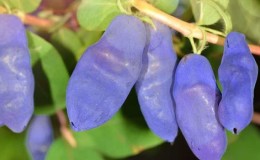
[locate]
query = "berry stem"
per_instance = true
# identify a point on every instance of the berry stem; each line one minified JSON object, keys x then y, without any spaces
{"x":185,"y":28}
{"x":36,"y":21}
{"x":194,"y":48}
{"x":256,"y":118}
{"x":29,"y":19}
{"x":66,"y":133}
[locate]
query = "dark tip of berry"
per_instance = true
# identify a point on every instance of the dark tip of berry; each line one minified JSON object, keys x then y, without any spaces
{"x":72,"y":124}
{"x":235,"y":130}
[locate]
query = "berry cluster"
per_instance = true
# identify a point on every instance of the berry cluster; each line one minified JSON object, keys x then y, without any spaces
{"x":107,"y":72}
{"x":131,"y":53}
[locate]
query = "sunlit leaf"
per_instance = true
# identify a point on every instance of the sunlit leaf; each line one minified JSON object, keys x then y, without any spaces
{"x":206,"y":14}
{"x":23,"y":5}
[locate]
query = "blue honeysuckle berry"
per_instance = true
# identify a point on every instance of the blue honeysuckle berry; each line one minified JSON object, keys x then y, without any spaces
{"x":237,"y":75}
{"x":154,"y":84}
{"x":197,"y":97}
{"x":39,"y":137}
{"x":16,"y":77}
{"x":106,"y":73}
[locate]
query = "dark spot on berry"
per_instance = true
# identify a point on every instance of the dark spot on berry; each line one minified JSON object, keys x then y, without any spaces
{"x":235,"y":130}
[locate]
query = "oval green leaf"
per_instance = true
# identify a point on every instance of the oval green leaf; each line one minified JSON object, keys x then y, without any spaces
{"x":204,"y":13}
{"x":121,"y":138}
{"x":68,"y":44}
{"x":97,"y":14}
{"x":60,"y":149}
{"x":87,"y":38}
{"x":50,"y":74}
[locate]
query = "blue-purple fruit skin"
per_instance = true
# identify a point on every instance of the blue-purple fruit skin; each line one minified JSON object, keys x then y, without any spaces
{"x":106,"y":73}
{"x":197,"y":97}
{"x":16,"y":77}
{"x":39,"y":137}
{"x":154,"y":84}
{"x":237,"y":75}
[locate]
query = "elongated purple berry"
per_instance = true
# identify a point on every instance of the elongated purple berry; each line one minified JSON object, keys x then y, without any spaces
{"x":237,"y":74}
{"x":39,"y":137}
{"x":106,"y":73}
{"x":197,"y":97}
{"x":154,"y":84}
{"x":16,"y":78}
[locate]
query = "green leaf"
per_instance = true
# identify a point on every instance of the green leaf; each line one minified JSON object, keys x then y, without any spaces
{"x":88,"y":38}
{"x":68,"y":44}
{"x":71,"y":52}
{"x":251,"y":6}
{"x":168,"y":6}
{"x":206,"y":14}
{"x":67,"y":38}
{"x":97,"y":14}
{"x":244,"y":146}
{"x":51,"y":76}
{"x":60,"y":149}
{"x":12,"y":145}
{"x":120,"y":138}
{"x":247,"y":23}
{"x":23,"y":5}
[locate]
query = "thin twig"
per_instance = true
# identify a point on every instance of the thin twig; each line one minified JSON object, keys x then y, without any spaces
{"x":36,"y":21}
{"x":30,"y":19}
{"x":66,"y":133}
{"x":256,"y":118}
{"x":187,"y":29}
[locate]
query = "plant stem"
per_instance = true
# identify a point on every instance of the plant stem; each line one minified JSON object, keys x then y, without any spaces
{"x":185,"y":28}
{"x":66,"y":133}
{"x":30,"y":19}
{"x":194,"y":48}
{"x":36,"y":21}
{"x":256,"y":118}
